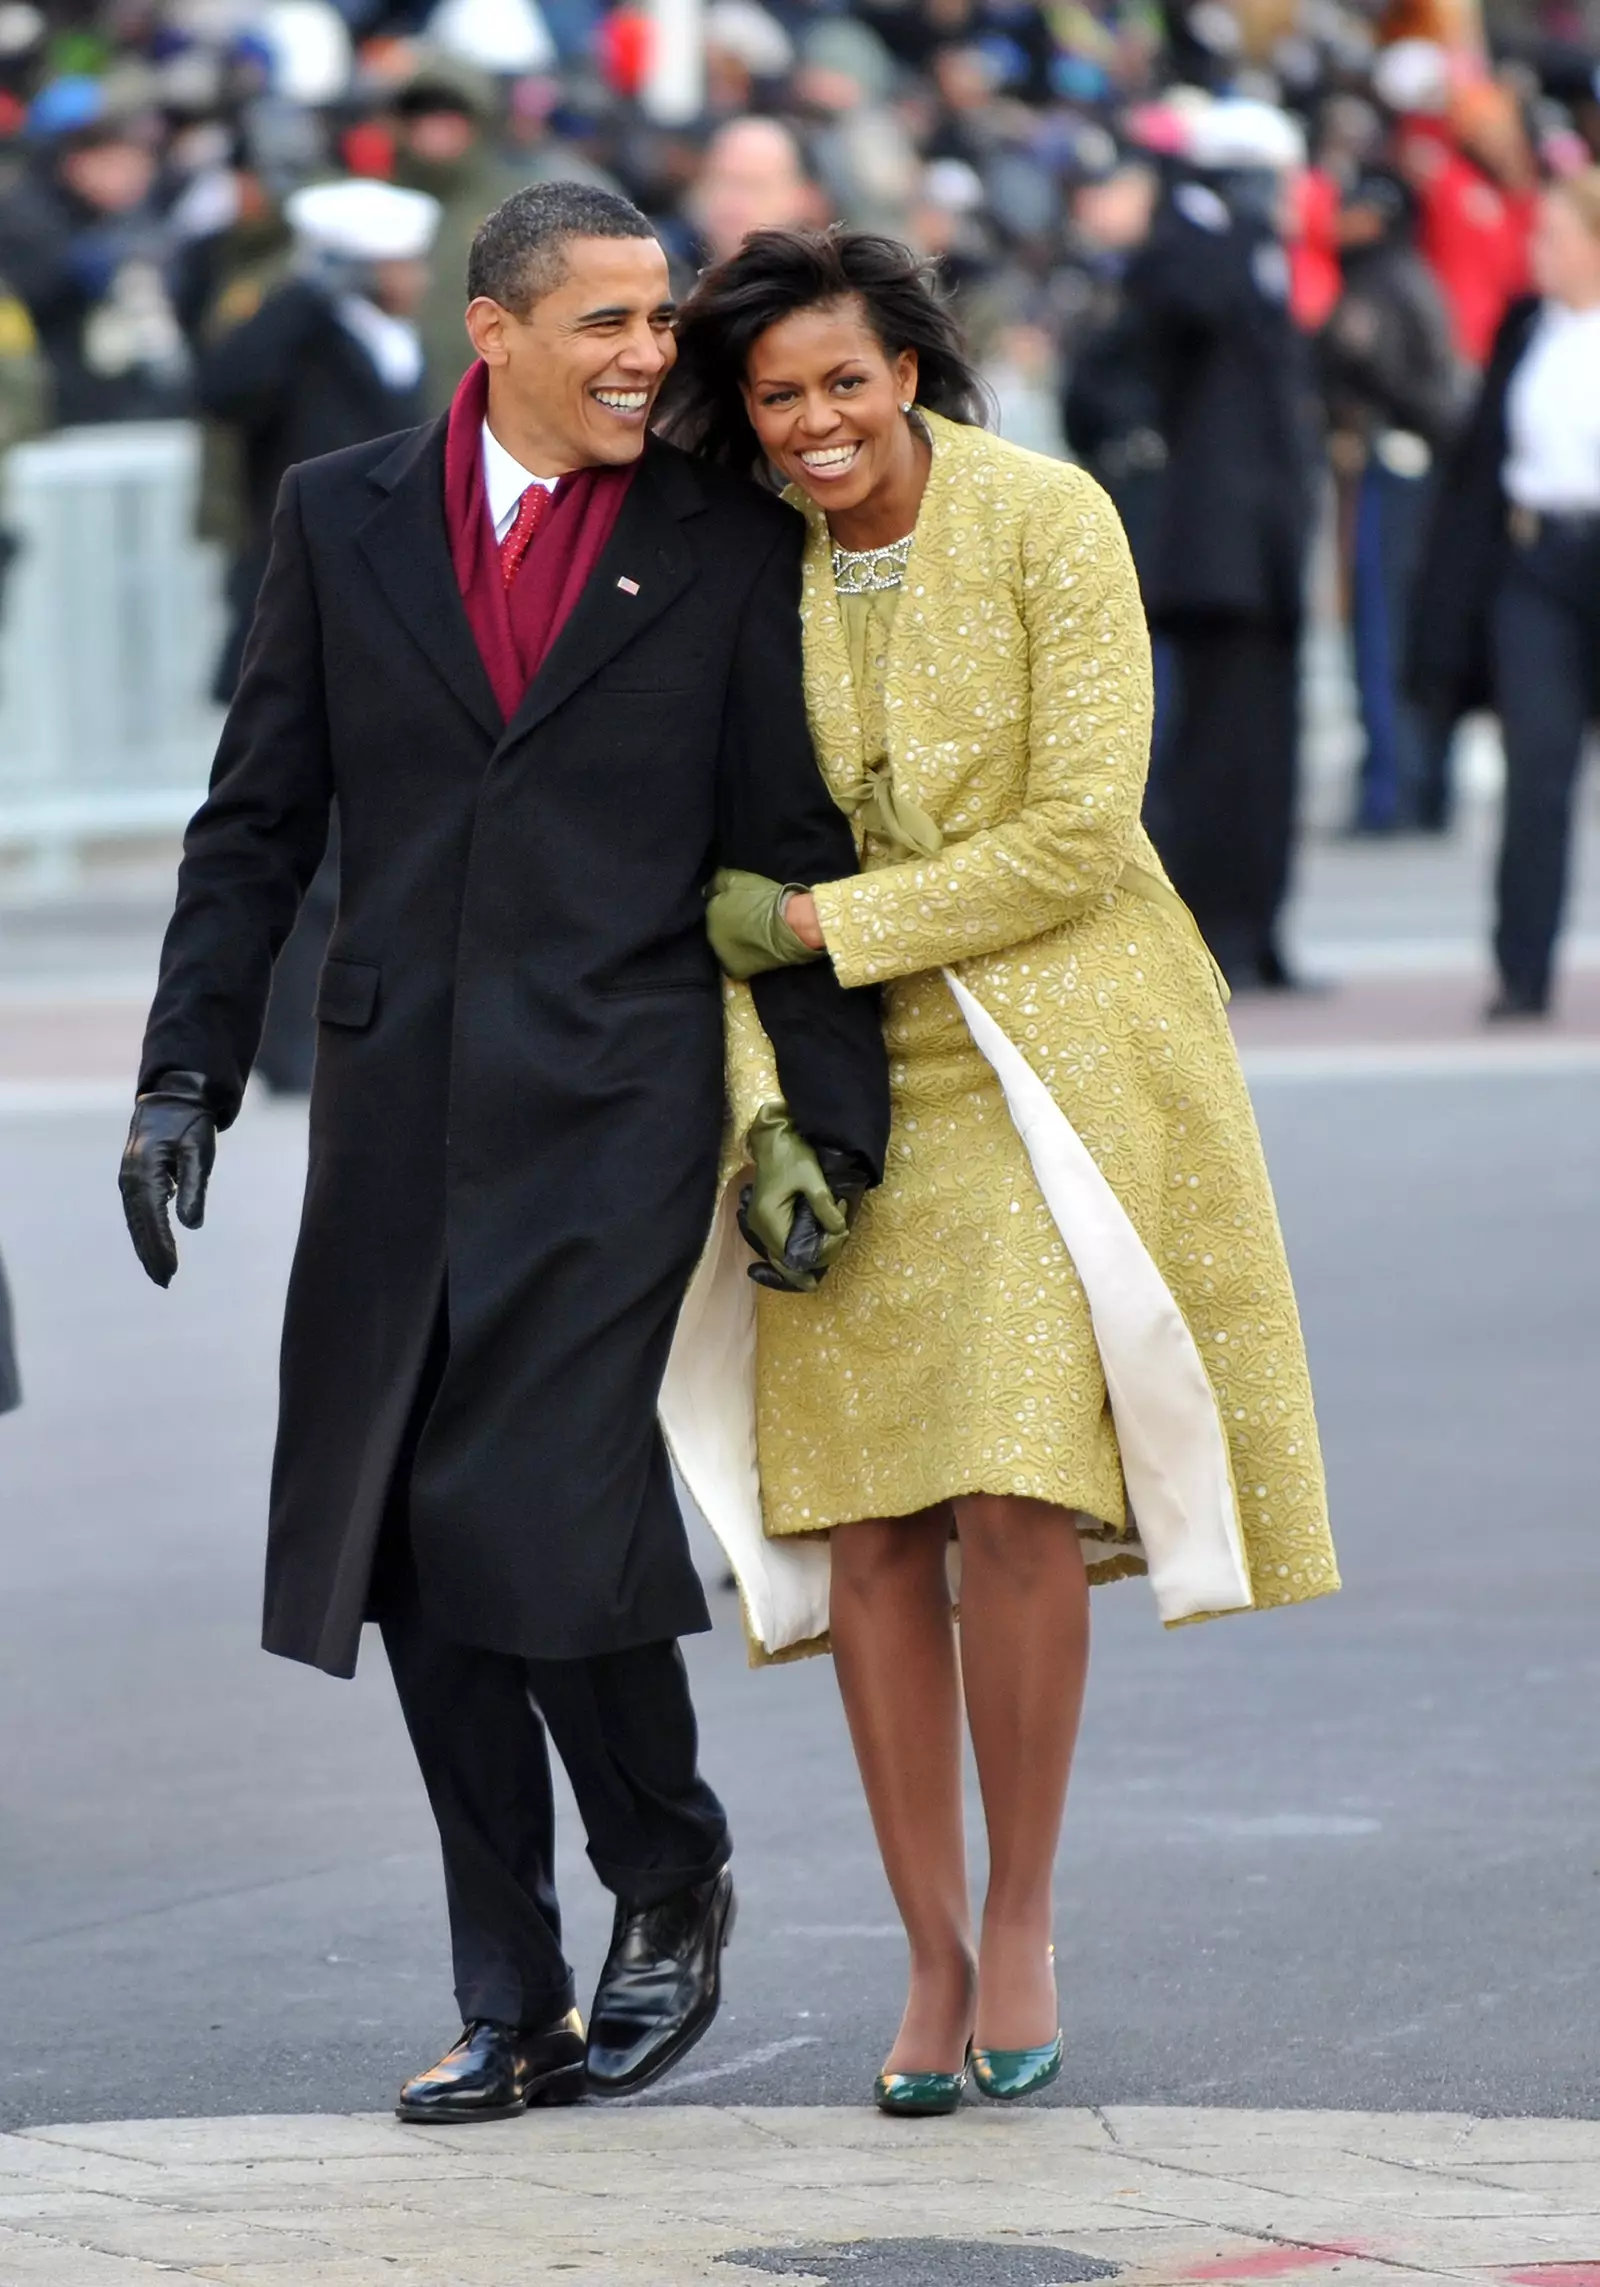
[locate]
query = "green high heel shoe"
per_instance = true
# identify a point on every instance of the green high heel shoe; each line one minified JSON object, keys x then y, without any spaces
{"x":1006,"y":2074}
{"x":921,"y":2095}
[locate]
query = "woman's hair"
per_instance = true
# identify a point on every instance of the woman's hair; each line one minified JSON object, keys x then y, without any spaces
{"x":1582,"y":193}
{"x":774,"y":274}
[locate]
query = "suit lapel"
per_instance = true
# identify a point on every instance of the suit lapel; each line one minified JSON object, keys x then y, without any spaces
{"x":648,"y":551}
{"x":407,"y":547}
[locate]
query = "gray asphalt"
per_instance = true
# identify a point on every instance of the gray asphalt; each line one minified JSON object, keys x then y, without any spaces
{"x":1344,"y":1856}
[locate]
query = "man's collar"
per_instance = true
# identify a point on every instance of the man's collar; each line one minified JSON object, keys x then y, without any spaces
{"x":505,"y":480}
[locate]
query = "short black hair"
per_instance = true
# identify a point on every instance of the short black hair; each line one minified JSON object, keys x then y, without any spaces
{"x":774,"y":274}
{"x":519,"y":254}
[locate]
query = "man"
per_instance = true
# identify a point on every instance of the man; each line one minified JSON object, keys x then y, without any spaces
{"x":1225,"y":566}
{"x":1395,"y":392}
{"x":551,"y":670}
{"x":754,"y":179}
{"x":83,"y":245}
{"x":330,"y":358}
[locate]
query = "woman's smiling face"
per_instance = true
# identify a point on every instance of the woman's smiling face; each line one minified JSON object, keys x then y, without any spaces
{"x":824,"y":399}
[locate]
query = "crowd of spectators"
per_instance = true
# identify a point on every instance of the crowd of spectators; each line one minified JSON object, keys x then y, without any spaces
{"x":1336,"y":197}
{"x":146,"y":148}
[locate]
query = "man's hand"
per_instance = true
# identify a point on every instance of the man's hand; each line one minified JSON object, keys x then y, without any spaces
{"x":747,"y":921}
{"x":797,"y":1212}
{"x":171,"y":1145}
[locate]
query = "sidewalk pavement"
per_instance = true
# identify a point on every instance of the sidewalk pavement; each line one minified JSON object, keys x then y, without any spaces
{"x":658,"y":2195}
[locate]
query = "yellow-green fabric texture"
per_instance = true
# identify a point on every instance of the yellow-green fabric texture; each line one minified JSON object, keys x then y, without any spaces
{"x":951,"y":1350}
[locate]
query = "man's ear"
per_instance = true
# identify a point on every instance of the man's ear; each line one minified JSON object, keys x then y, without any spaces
{"x":487,"y":328}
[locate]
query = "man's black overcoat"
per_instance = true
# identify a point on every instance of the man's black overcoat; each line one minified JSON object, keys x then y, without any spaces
{"x":1237,"y":498}
{"x":1464,"y":551}
{"x":518,"y":1097}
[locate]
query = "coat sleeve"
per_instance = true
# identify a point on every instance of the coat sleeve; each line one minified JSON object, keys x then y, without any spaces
{"x":255,"y":841}
{"x":1088,"y":751}
{"x":776,"y":817}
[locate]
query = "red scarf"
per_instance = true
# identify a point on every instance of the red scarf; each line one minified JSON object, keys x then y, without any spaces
{"x":516,"y":626}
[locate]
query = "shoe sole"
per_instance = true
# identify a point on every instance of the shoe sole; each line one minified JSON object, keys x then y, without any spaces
{"x":692,"y":2034}
{"x":568,"y":2084}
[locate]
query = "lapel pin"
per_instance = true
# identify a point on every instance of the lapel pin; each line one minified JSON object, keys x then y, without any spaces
{"x":629,"y":587}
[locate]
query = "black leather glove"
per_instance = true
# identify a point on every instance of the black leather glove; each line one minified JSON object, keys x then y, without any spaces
{"x":797,"y":1212}
{"x":171,"y":1144}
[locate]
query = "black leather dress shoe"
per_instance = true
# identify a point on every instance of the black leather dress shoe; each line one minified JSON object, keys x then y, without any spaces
{"x":661,"y":1985}
{"x":1508,"y":1007}
{"x":495,"y":2071}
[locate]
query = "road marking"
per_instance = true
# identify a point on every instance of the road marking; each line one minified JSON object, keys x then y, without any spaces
{"x":22,"y":1098}
{"x":768,"y":2055}
{"x":1284,"y":1826}
{"x":830,"y":1930}
{"x":1271,"y":2263}
{"x":1422,"y":1060}
{"x":1346,"y":958}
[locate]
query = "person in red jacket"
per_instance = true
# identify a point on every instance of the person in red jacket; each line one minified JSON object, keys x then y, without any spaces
{"x":1465,"y":154}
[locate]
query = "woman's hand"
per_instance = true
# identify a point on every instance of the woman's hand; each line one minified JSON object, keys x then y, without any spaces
{"x":745,"y":923}
{"x":800,"y":911}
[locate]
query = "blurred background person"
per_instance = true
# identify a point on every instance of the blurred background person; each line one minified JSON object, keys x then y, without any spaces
{"x":1463,"y":146}
{"x":10,"y":1379}
{"x":1111,"y":407}
{"x":333,"y":357}
{"x":1227,"y":563}
{"x":24,"y":403}
{"x":755,"y":177}
{"x":1396,"y":391}
{"x":1511,"y":577}
{"x":85,"y":245}
{"x":448,"y":117}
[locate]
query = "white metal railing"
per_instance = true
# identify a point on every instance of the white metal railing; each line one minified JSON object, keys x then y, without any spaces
{"x":112,"y":622}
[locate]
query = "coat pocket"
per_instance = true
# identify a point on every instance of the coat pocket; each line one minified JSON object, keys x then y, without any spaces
{"x":347,"y":993}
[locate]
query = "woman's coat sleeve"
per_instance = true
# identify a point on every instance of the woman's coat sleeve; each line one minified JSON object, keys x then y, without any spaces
{"x":1088,"y":752}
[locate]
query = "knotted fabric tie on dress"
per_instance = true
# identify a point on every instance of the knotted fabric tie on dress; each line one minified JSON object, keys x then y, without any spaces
{"x":532,"y":510}
{"x":891,"y":815}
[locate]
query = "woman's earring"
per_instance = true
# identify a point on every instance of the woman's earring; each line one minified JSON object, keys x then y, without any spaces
{"x":906,"y":406}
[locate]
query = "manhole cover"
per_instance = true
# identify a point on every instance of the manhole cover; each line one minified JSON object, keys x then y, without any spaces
{"x":926,"y":2263}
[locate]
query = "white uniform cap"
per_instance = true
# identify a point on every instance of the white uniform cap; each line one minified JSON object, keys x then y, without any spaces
{"x":1239,"y":132}
{"x":505,"y":37}
{"x":744,"y":30}
{"x":362,"y":221}
{"x":1413,"y":75}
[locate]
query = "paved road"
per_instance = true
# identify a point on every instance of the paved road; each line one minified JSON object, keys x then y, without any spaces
{"x":1348,"y":1856}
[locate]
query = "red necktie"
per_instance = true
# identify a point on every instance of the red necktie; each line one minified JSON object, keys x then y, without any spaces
{"x":531,"y":509}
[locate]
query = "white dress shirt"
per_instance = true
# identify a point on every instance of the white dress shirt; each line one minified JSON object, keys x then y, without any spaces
{"x":393,"y":344}
{"x":505,"y":481}
{"x":1553,"y":416}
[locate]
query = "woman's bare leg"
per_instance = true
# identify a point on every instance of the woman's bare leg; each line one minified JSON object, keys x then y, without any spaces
{"x":894,"y":1649}
{"x":1024,"y":1659}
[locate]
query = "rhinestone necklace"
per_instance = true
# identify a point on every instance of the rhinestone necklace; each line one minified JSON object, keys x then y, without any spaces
{"x":870,"y":571}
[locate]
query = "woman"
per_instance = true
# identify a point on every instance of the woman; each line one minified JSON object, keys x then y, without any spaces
{"x":1507,"y":605}
{"x":978,"y":675}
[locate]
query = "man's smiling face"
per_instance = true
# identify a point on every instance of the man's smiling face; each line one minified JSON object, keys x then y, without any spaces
{"x":574,"y":377}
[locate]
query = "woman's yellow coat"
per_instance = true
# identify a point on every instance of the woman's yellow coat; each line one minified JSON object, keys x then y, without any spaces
{"x":1016,"y":716}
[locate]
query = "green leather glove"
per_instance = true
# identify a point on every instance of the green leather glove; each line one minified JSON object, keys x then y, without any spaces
{"x":748,"y":933}
{"x":797,"y":1212}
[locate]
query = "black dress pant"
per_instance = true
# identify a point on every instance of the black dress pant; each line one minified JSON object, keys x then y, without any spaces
{"x":1222,"y":816}
{"x":480,"y":1722}
{"x":1547,"y":690}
